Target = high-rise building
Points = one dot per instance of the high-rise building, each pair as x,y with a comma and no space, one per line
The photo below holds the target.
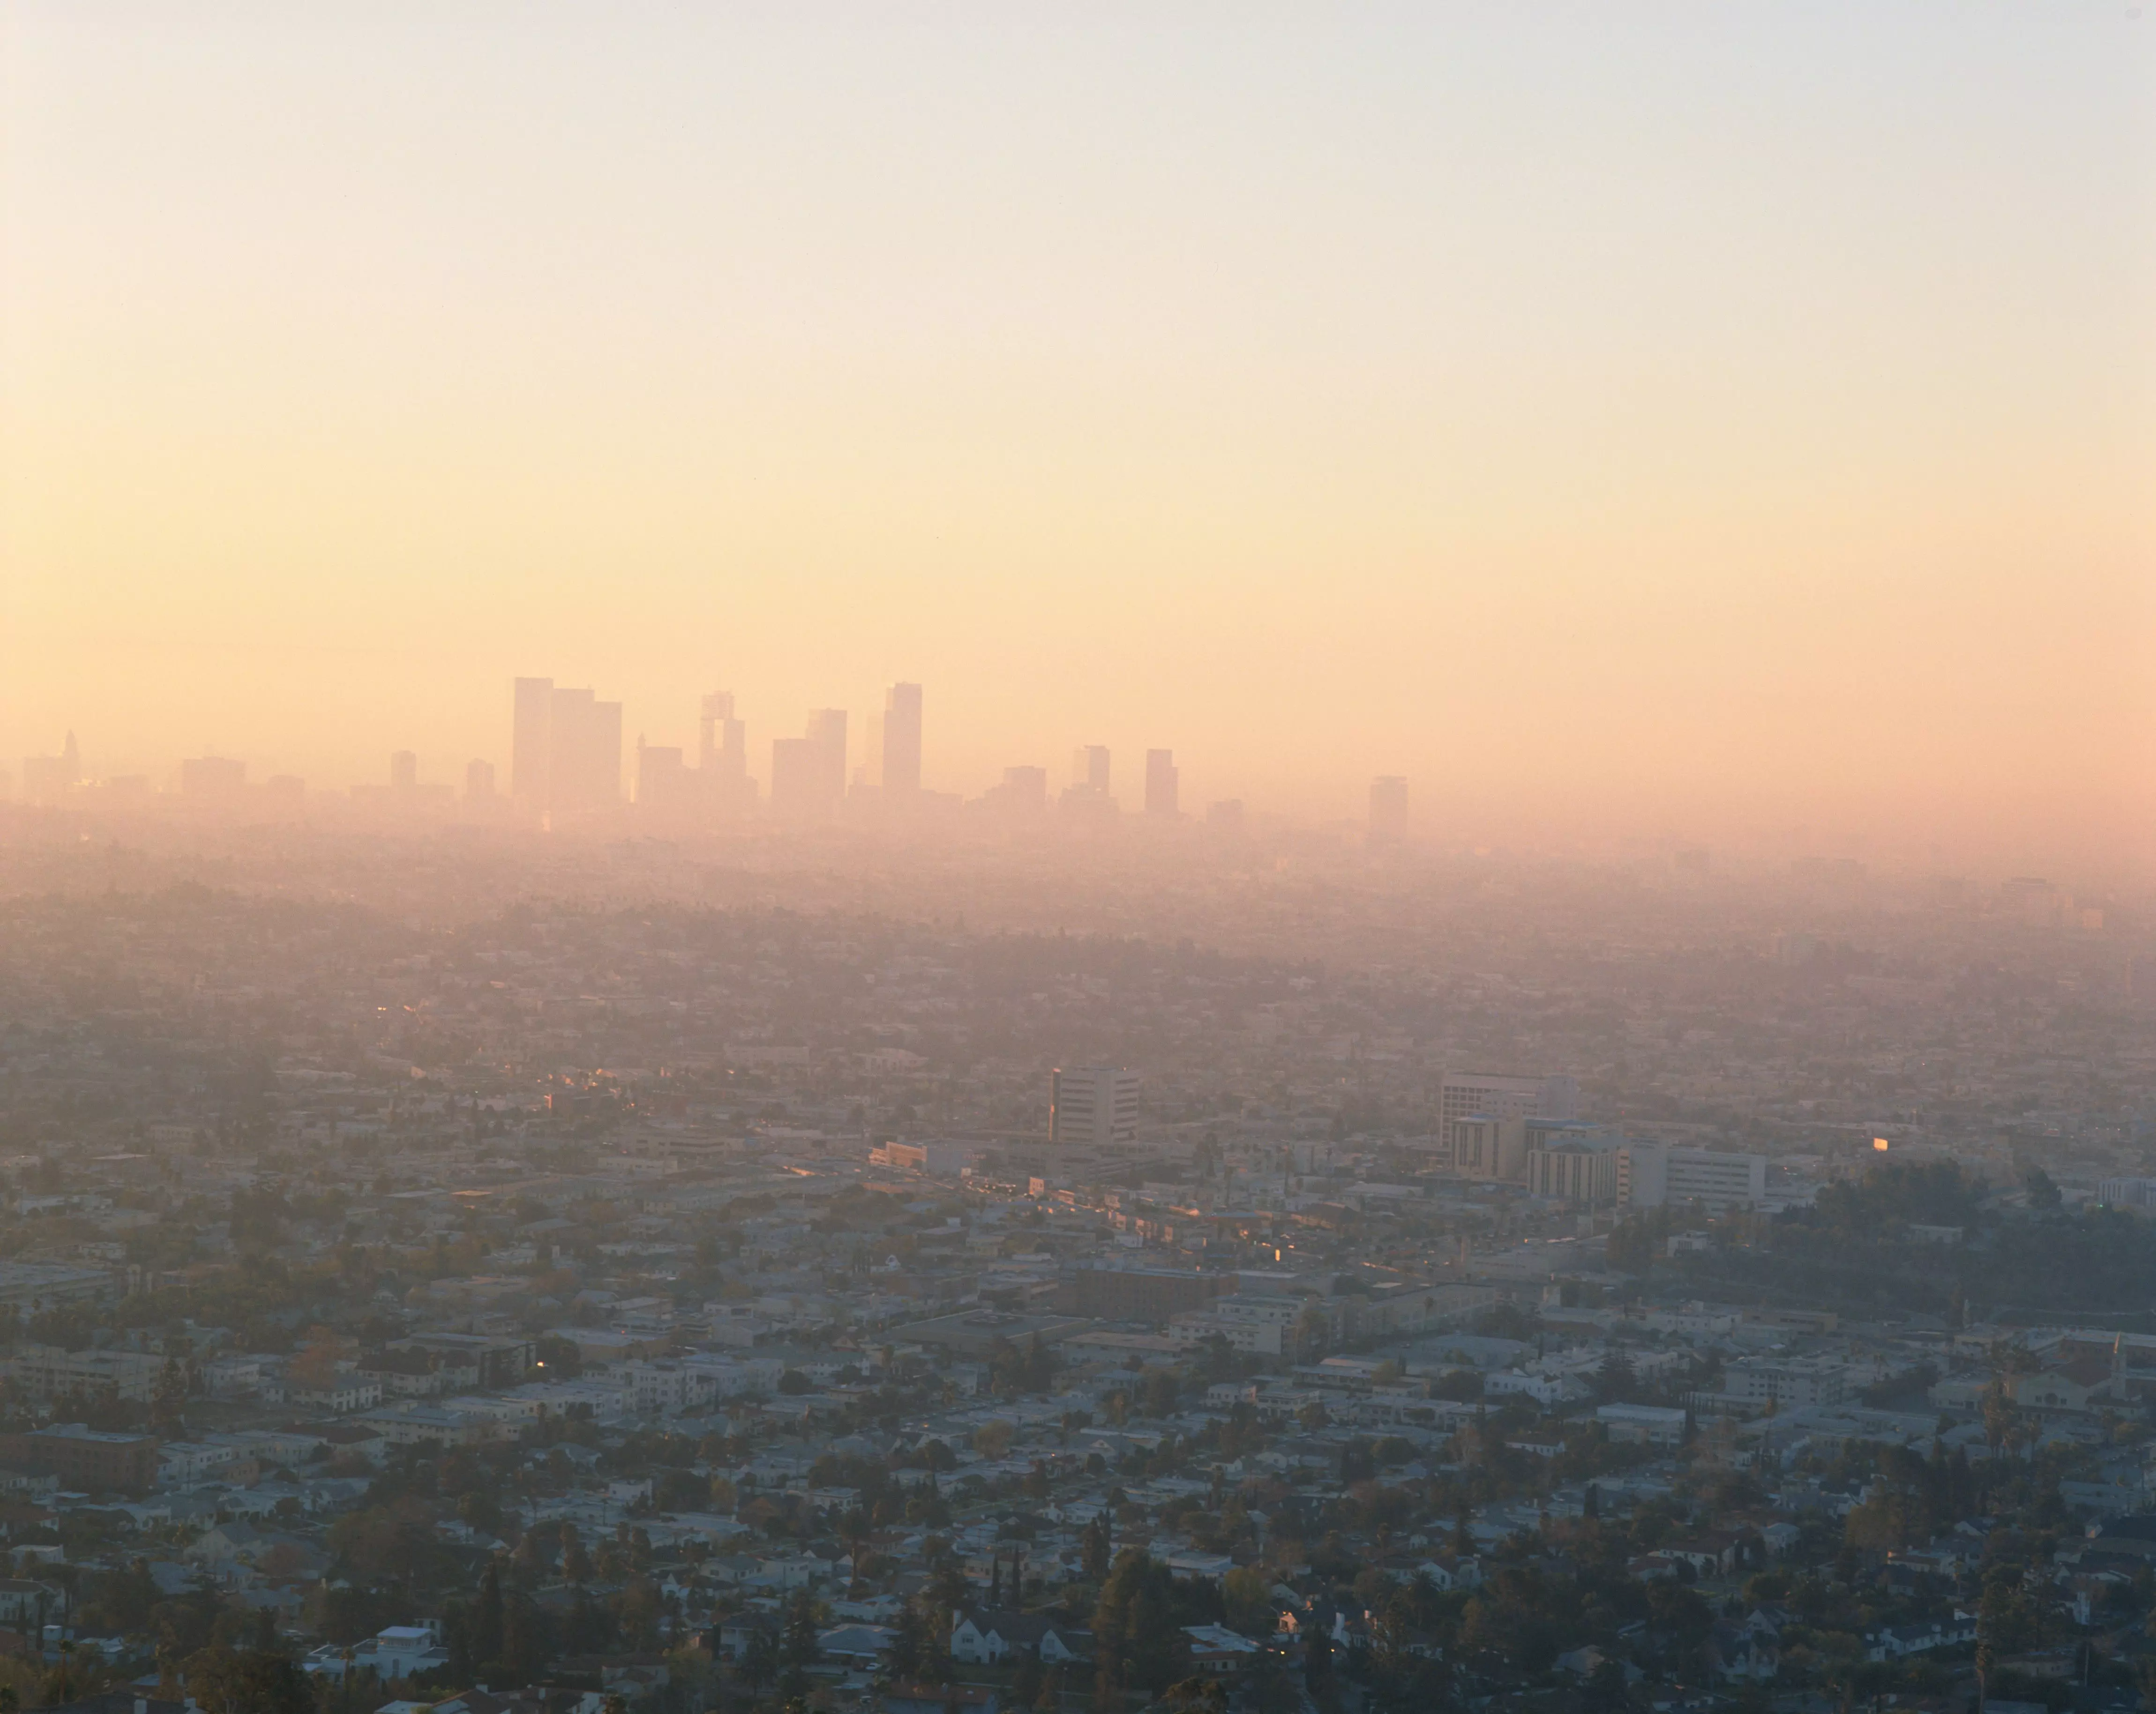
1089,768
530,740
722,757
404,771
1388,807
1226,815
1093,1104
46,779
663,782
479,782
565,749
902,739
1162,780
808,773
827,732
583,752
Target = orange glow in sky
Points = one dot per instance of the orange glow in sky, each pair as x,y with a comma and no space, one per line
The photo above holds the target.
1732,423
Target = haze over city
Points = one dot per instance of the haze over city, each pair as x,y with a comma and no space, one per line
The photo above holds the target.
1622,423
1112,859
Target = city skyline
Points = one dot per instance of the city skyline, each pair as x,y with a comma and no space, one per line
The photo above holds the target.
1619,427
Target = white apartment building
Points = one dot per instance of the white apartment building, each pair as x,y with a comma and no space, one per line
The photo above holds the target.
49,1372
1257,1325
1579,1169
1486,1147
1785,1380
1498,1095
1093,1104
1652,1174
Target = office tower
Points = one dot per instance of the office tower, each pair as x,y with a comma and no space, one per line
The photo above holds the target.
808,773
827,732
901,738
479,782
1226,815
1093,1104
404,771
1089,768
46,779
814,766
531,738
722,775
583,752
664,781
1162,777
721,740
1388,807
213,777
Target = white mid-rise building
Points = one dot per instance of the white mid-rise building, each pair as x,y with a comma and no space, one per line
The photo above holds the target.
1257,1324
1498,1095
1093,1104
1581,1169
1653,1174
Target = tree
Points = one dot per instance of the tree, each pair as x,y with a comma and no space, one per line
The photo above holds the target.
798,1648
168,1404
759,1658
1270,1688
486,1622
524,1640
1136,1640
1247,1596
1317,1661
1095,1545
1614,1380
1603,1692
1196,1695
249,1683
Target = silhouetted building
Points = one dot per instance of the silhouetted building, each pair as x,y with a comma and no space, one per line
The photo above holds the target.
722,757
1092,1104
583,752
809,774
85,1458
1227,815
404,771
1089,768
46,779
479,781
1388,807
664,781
1162,782
901,738
531,739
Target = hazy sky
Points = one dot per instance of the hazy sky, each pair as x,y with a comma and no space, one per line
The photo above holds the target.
1716,419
